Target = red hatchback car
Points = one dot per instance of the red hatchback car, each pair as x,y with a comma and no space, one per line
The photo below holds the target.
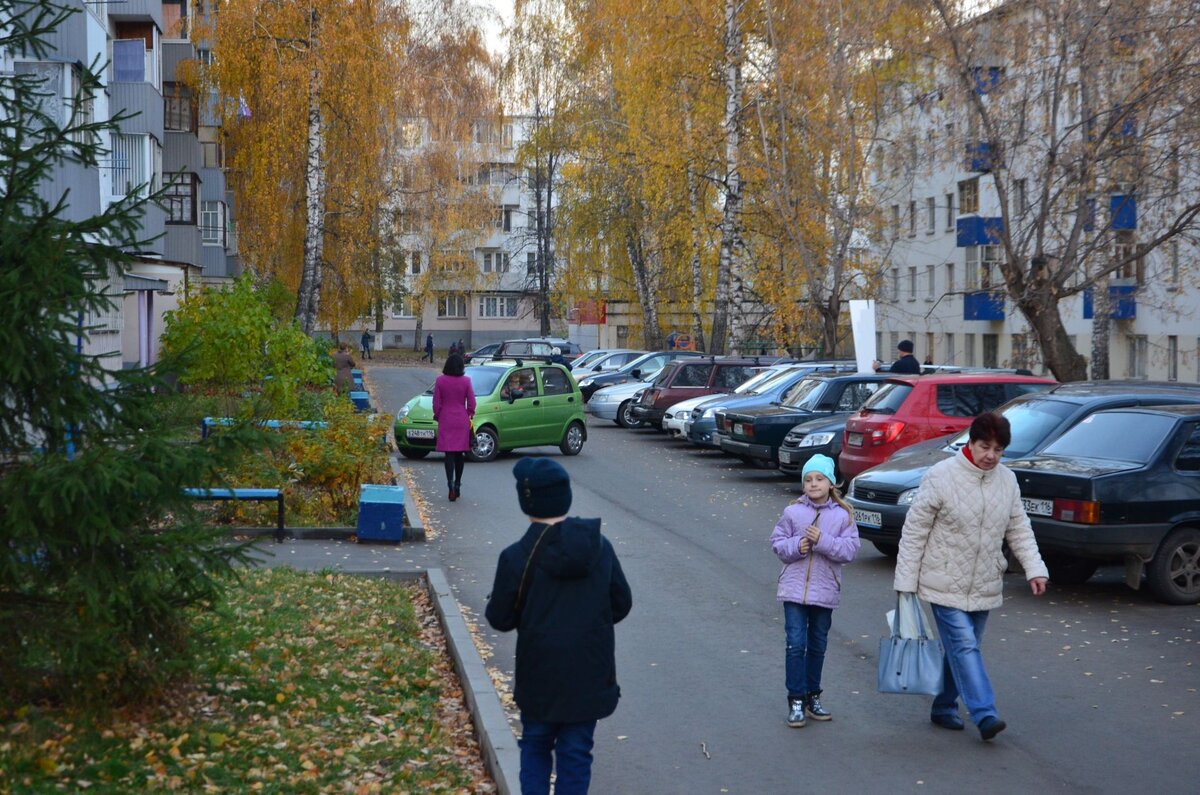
911,409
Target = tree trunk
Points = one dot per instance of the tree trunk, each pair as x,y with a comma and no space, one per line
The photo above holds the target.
645,280
830,314
308,300
1101,325
728,316
697,246
1058,350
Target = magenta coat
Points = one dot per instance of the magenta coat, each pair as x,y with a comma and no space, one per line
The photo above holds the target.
453,408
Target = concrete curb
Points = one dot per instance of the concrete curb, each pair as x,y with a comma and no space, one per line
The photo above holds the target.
501,755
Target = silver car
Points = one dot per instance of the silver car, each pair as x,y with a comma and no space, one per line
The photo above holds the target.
614,402
603,360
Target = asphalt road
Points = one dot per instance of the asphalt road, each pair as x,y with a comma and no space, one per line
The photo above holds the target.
1098,683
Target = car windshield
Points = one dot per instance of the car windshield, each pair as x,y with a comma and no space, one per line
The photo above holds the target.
588,358
1031,421
888,399
764,381
1116,435
804,394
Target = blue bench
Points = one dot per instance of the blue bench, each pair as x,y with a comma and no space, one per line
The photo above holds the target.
259,495
208,423
361,400
380,513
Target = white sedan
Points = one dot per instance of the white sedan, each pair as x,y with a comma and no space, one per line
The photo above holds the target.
678,416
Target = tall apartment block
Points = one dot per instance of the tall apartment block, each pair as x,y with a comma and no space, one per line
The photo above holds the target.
171,138
936,180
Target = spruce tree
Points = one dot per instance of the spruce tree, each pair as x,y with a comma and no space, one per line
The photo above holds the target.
100,554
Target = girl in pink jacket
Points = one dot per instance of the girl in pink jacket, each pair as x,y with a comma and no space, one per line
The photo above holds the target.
813,538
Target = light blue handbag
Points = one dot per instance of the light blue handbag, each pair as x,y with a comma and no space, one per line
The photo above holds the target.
910,664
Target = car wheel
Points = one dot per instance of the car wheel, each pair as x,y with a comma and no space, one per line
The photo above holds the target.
485,446
887,548
409,452
572,441
1174,573
1069,570
625,416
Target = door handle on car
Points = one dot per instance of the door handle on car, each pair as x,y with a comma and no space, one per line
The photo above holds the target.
571,399
537,402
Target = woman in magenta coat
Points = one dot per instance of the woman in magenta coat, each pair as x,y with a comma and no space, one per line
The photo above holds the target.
453,408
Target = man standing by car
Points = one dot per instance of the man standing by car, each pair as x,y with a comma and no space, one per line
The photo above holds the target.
905,363
561,587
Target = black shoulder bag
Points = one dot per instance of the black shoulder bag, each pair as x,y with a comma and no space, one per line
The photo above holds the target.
527,574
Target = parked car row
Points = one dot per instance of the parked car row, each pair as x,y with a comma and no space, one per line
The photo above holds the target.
1109,471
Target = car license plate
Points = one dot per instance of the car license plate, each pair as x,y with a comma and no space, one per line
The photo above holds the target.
868,518
1038,507
855,439
737,428
419,433
785,457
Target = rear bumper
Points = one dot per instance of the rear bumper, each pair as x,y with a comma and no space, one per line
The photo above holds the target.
737,447
1098,541
704,433
647,414
797,457
852,462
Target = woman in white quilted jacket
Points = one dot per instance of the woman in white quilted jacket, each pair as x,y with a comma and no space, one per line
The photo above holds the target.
951,555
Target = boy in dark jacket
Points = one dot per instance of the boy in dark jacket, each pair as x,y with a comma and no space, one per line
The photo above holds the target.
561,587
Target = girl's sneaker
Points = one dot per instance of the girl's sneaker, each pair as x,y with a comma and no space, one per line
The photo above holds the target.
795,717
812,706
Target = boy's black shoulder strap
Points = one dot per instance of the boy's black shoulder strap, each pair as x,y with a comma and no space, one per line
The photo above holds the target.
527,575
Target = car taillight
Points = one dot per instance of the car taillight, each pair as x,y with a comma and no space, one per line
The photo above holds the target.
1078,511
748,430
886,433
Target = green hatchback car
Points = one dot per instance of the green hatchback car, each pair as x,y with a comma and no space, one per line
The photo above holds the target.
517,404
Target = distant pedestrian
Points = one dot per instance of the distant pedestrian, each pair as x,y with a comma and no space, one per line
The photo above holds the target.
453,409
556,356
365,340
343,363
561,587
813,538
428,348
951,555
905,363
462,349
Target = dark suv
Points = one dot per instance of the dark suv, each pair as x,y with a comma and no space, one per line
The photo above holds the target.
538,348
911,409
692,378
756,434
639,368
882,495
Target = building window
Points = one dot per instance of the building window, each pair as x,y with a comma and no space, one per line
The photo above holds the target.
175,19
895,220
504,217
878,344
912,219
1173,265
179,111
495,261
402,306
949,349
1020,350
1020,196
949,211
414,263
1172,358
1131,256
991,350
968,196
912,282
180,199
983,267
893,340
931,276
949,277
930,346
498,305
1139,347
212,223
452,305
969,350
930,215
129,60
212,151
895,284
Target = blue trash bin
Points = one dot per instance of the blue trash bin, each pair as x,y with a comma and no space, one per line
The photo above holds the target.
381,513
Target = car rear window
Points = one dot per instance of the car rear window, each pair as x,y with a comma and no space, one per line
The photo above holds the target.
888,399
1117,435
1031,422
693,375
969,400
804,393
731,377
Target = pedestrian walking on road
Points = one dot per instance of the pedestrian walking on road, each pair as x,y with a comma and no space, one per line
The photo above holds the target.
365,341
561,587
453,410
813,538
428,348
951,555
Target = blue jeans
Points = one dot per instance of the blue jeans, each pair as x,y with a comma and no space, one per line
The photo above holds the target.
962,635
571,744
807,629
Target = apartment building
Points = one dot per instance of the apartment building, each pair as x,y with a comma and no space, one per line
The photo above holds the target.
170,137
491,294
948,186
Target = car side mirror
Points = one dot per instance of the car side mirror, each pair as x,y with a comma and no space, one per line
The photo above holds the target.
636,372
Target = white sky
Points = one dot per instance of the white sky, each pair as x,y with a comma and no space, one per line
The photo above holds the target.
492,28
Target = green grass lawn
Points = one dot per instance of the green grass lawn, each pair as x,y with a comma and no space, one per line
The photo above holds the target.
305,683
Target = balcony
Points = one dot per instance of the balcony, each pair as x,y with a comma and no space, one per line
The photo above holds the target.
983,305
144,104
1122,212
982,156
975,230
137,11
1122,302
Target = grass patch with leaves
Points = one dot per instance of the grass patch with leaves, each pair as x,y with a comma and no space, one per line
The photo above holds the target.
305,683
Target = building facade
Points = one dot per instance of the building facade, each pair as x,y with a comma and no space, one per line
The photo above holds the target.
167,136
948,186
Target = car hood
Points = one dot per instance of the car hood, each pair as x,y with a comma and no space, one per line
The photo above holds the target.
420,408
905,473
824,424
1081,467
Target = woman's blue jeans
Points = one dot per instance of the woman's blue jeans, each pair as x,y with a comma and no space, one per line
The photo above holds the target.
964,674
807,629
571,746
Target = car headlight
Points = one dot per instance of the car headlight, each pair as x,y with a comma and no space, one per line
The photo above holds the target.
586,382
907,497
816,440
403,412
